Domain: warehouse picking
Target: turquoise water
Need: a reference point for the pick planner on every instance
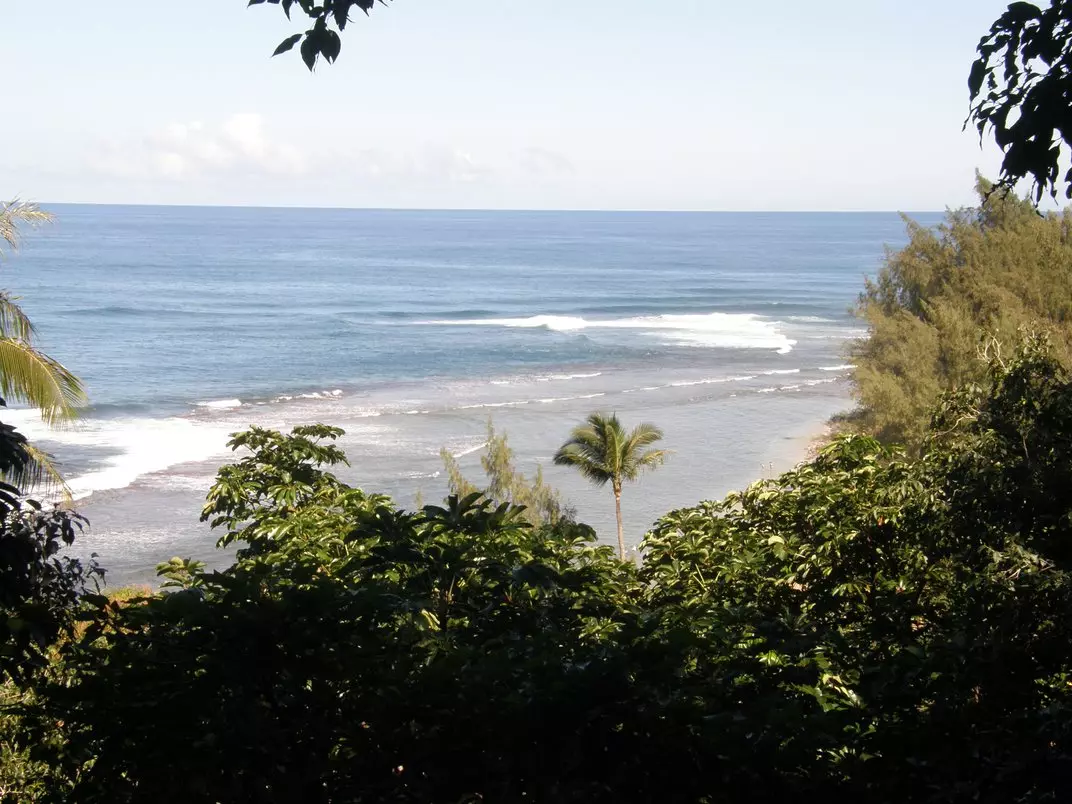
(410, 329)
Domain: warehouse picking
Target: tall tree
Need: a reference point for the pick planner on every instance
(27, 374)
(1021, 91)
(542, 503)
(950, 295)
(602, 451)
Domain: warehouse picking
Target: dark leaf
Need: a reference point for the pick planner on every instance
(287, 44)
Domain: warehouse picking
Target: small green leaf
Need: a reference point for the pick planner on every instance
(287, 43)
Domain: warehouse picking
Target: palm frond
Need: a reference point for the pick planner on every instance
(14, 323)
(575, 455)
(635, 458)
(645, 460)
(36, 379)
(643, 435)
(39, 474)
(19, 212)
(586, 445)
(593, 449)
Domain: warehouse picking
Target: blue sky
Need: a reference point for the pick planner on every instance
(604, 104)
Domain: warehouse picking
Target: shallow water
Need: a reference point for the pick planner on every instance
(411, 329)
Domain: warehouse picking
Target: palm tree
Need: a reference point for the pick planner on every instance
(26, 374)
(603, 452)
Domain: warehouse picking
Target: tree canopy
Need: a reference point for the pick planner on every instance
(542, 503)
(951, 294)
(603, 452)
(1021, 91)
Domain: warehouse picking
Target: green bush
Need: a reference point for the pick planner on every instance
(951, 294)
(869, 626)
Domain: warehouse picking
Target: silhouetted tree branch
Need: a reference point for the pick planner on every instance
(1021, 91)
(329, 17)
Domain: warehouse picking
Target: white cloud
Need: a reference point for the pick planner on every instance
(249, 158)
(240, 145)
(542, 161)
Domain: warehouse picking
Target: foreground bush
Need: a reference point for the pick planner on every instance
(865, 627)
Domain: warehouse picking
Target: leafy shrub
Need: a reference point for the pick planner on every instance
(982, 276)
(868, 626)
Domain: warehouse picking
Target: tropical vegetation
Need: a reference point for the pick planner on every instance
(1021, 89)
(542, 504)
(28, 375)
(869, 626)
(953, 297)
(882, 623)
(603, 452)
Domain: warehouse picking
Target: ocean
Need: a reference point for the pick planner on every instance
(411, 329)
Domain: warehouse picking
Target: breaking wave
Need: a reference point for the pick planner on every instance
(712, 330)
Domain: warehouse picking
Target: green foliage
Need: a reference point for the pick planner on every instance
(329, 19)
(40, 598)
(23, 778)
(414, 665)
(1021, 91)
(603, 452)
(39, 588)
(542, 503)
(26, 374)
(892, 629)
(870, 626)
(950, 295)
(279, 501)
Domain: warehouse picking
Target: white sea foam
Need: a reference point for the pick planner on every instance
(220, 404)
(557, 323)
(570, 376)
(844, 367)
(141, 446)
(494, 405)
(419, 475)
(711, 381)
(469, 450)
(719, 330)
(519, 402)
(334, 394)
(570, 398)
(780, 371)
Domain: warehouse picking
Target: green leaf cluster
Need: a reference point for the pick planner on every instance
(27, 374)
(1021, 90)
(951, 298)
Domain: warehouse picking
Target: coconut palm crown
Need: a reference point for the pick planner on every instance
(26, 374)
(603, 452)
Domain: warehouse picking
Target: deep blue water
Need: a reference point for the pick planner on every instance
(410, 328)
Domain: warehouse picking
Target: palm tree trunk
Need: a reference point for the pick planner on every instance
(618, 511)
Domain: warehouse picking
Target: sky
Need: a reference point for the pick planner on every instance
(497, 104)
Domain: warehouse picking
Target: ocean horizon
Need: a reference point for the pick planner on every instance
(411, 329)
